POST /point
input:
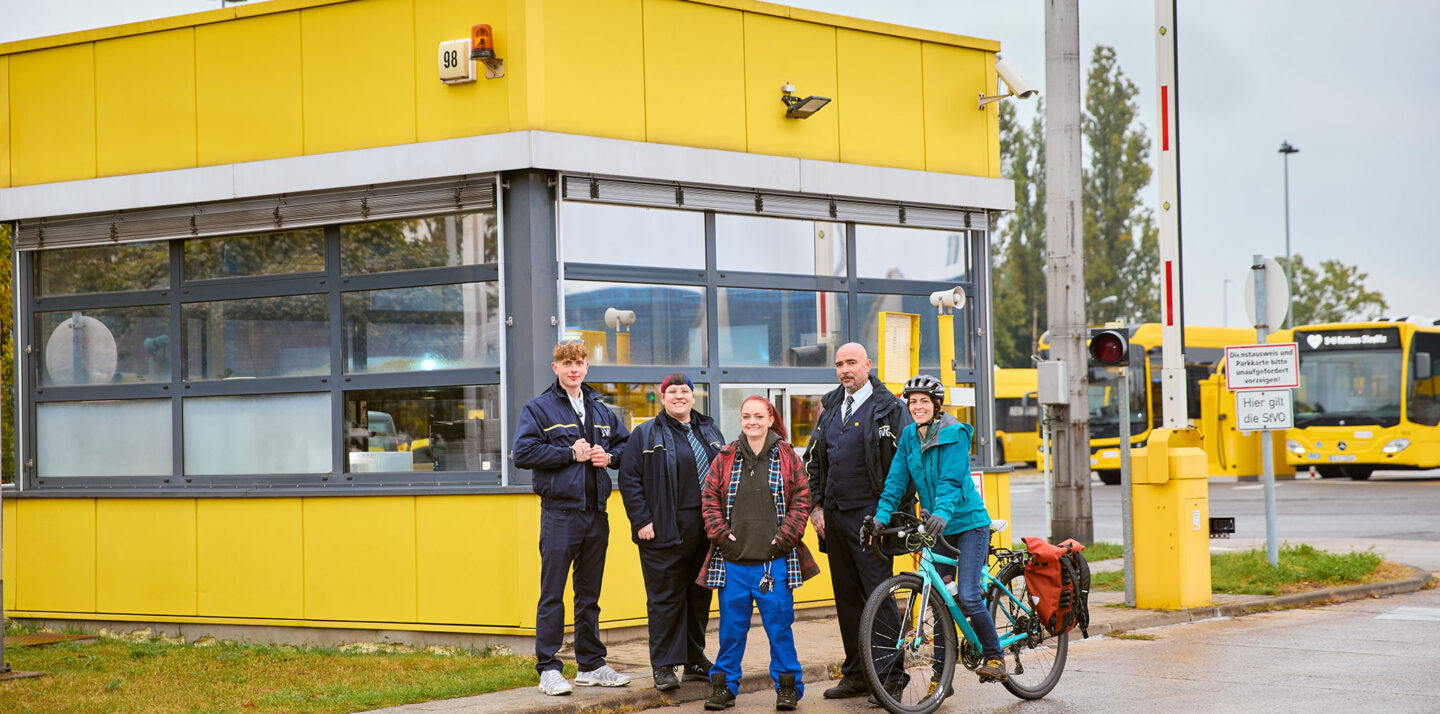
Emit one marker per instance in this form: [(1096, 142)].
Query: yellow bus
[(1369, 398), (1210, 406), (1017, 416)]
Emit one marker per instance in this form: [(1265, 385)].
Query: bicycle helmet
[(924, 384)]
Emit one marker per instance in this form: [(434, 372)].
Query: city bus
[(1210, 407), (1017, 416), (1369, 398)]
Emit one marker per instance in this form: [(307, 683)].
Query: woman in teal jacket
[(934, 454)]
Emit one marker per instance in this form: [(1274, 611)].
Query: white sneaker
[(603, 676), (552, 682)]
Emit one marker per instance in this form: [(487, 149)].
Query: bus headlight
[(1294, 446), (1395, 446)]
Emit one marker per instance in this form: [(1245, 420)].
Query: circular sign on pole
[(1277, 295)]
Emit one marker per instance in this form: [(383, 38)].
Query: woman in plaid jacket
[(754, 504)]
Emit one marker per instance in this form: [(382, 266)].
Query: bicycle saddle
[(999, 525)]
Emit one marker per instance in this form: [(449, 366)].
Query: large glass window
[(867, 332), (465, 239), (423, 429), (639, 403), (103, 269), (780, 328), (103, 438), (626, 235), (911, 254), (262, 434), (270, 254), (668, 326), (104, 346), (262, 337), (1353, 386), (774, 245), (422, 328), (1423, 406)]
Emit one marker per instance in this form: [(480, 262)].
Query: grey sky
[(1350, 84)]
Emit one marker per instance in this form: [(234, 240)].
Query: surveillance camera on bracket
[(1015, 82)]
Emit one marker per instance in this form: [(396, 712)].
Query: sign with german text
[(1262, 366), (1262, 410)]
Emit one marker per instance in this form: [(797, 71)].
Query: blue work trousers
[(777, 612)]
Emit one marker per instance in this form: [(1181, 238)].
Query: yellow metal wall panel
[(694, 75), (464, 547), (360, 558), (623, 594), (248, 101), (249, 558), (956, 133), (481, 107), (358, 69), (4, 125), (145, 556), (54, 555), (52, 115), (7, 557), (881, 108), (992, 120), (145, 103), (801, 53), (594, 69)]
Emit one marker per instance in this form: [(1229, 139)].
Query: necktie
[(702, 460), (849, 410)]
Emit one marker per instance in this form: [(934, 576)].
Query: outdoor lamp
[(797, 108)]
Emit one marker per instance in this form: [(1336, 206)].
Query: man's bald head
[(848, 348), (852, 366)]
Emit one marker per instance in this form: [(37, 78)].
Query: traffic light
[(1109, 348)]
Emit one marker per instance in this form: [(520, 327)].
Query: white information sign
[(1262, 366), (1257, 410)]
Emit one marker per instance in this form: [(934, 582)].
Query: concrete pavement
[(820, 652)]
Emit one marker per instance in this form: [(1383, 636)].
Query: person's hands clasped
[(598, 457), (580, 450)]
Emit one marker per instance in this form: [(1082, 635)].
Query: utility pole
[(1065, 273)]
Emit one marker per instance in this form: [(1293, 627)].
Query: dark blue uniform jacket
[(648, 473), (543, 435)]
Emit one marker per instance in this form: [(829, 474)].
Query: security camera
[(615, 318), (1019, 86), (953, 298)]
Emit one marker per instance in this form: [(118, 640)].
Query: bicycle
[(909, 624)]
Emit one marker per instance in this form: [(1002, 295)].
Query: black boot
[(720, 696), (665, 679), (787, 697)]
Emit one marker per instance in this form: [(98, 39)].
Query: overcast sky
[(1354, 86)]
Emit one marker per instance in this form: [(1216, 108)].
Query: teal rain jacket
[(940, 469)]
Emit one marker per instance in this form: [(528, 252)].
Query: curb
[(646, 697)]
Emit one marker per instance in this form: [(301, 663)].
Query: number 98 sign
[(455, 64)]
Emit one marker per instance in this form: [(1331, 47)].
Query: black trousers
[(855, 572), (570, 538), (678, 609)]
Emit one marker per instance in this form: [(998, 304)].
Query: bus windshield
[(1349, 387), (1105, 398)]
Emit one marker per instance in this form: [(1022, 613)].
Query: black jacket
[(543, 435), (890, 417), (647, 475)]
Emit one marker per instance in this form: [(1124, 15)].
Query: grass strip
[(1302, 568)]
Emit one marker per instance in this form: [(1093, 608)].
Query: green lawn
[(1301, 568), (120, 675)]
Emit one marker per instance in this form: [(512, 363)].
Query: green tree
[(1335, 292), (1121, 238), (1019, 251)]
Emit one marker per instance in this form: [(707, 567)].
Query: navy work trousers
[(855, 572), (569, 538), (677, 608)]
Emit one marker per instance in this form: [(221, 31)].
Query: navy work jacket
[(543, 435), (648, 472)]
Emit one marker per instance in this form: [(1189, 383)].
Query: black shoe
[(849, 686), (787, 697), (893, 688), (698, 671), (665, 680), (720, 696)]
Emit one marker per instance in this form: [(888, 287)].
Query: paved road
[(1342, 658), (1397, 512)]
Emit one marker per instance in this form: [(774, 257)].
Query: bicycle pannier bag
[(1058, 578)]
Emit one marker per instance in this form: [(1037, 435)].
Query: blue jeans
[(777, 613), (973, 546)]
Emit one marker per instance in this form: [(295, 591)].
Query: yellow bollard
[(1171, 503)]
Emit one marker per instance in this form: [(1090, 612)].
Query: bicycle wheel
[(908, 648), (1033, 665)]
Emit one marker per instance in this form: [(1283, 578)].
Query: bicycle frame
[(927, 572)]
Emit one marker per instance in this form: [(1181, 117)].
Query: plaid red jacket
[(716, 497)]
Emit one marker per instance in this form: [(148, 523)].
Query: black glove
[(867, 530), (934, 525)]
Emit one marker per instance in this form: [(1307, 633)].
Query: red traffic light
[(1109, 348)]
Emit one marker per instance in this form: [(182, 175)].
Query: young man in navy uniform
[(568, 438), (847, 461)]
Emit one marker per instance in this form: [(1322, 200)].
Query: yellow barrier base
[(1171, 505)]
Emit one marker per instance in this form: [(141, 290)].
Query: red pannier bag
[(1058, 578)]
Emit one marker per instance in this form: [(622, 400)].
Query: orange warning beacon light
[(482, 42)]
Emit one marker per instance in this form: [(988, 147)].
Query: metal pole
[(1065, 270), (1225, 302), (1286, 149), (1127, 517), (1267, 473)]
